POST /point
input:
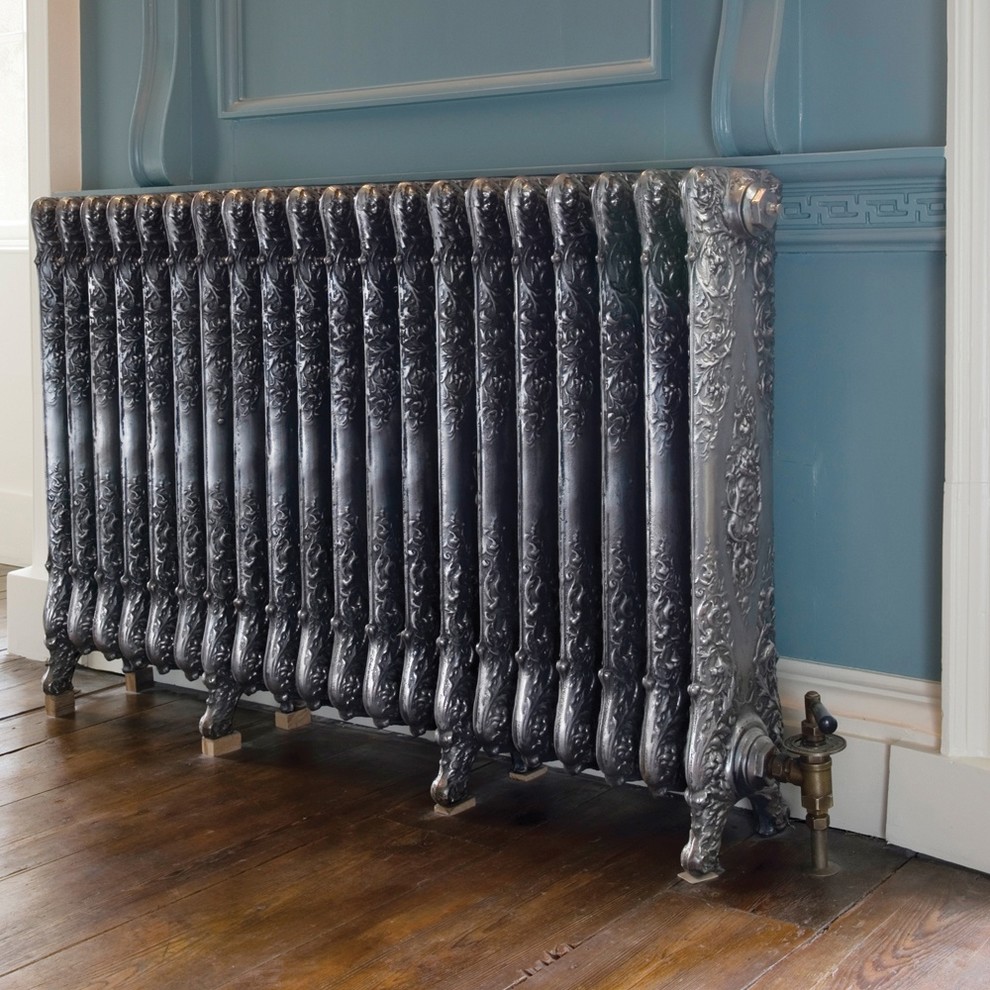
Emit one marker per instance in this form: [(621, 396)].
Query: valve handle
[(817, 712)]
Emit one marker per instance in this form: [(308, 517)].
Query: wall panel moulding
[(268, 67)]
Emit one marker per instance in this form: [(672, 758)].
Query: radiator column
[(187, 371), (457, 674), (164, 565), (247, 379), (579, 470), (106, 427), (62, 653), (221, 562), (345, 685)]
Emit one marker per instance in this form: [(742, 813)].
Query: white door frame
[(966, 519)]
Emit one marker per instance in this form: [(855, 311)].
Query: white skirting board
[(15, 527), (877, 713), (25, 607), (939, 805), (890, 782)]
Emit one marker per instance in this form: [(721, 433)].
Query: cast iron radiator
[(487, 458)]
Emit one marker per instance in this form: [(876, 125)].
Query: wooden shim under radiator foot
[(529, 775), (229, 743), (688, 877), (61, 705), (298, 719), (136, 681), (449, 810)]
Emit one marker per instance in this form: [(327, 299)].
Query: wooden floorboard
[(313, 859), (928, 926)]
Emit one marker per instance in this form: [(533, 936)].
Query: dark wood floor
[(313, 859)]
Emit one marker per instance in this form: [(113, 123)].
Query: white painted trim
[(15, 533), (26, 600), (877, 714), (966, 533), (54, 162), (938, 803), (885, 708), (939, 806)]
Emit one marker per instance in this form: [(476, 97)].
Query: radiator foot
[(710, 808), (772, 814), (290, 721), (449, 810), (221, 702), (62, 659), (138, 680), (450, 787), (61, 705), (229, 743), (525, 776)]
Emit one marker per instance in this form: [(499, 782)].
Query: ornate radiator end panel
[(730, 218)]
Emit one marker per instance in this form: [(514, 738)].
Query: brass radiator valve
[(806, 760)]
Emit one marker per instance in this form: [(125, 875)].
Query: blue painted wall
[(858, 458), (858, 453)]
